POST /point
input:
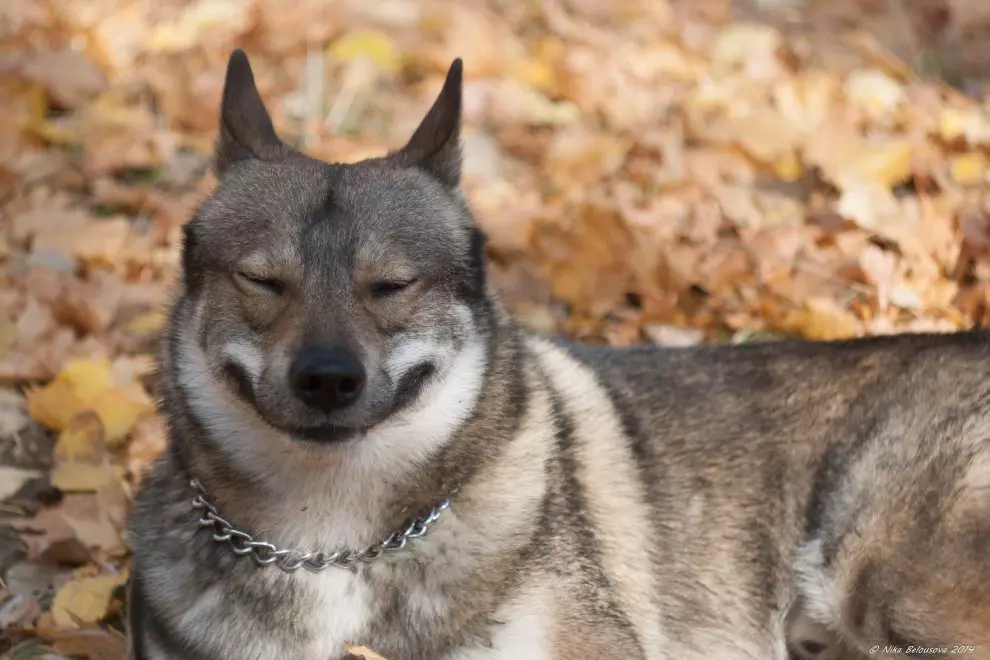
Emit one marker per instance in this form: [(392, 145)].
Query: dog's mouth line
[(409, 387), (411, 384)]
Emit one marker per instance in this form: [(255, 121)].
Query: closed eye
[(270, 285), (386, 288)]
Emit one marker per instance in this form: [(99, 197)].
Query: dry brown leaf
[(148, 443), (66, 75), (749, 46), (47, 222), (96, 519), (8, 334), (35, 321), (91, 644), (200, 20), (363, 652)]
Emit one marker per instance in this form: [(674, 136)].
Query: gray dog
[(365, 448)]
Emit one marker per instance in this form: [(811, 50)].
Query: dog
[(365, 448)]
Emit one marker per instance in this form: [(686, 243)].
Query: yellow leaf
[(969, 169), (53, 132), (366, 44), (119, 414), (87, 378), (83, 477), (823, 318), (54, 404), (84, 385), (146, 324), (85, 600), (887, 164), (531, 74), (788, 167), (363, 652), (81, 459), (37, 101)]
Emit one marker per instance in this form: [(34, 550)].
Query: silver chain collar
[(268, 554)]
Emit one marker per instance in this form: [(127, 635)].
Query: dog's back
[(856, 471)]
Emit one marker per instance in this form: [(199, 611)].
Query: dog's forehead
[(372, 209), (393, 199), (271, 192)]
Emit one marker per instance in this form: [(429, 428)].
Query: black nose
[(327, 378)]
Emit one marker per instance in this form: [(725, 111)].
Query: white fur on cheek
[(411, 353), (397, 444), (247, 357), (231, 425)]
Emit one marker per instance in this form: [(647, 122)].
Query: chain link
[(290, 561)]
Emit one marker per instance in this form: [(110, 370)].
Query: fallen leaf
[(970, 169), (366, 44), (824, 319), (971, 125), (88, 379), (98, 241), (149, 323), (514, 102), (54, 405), (867, 204), (84, 385), (8, 334), (874, 92), (66, 74), (47, 222), (81, 460), (674, 336), (91, 644), (363, 652), (149, 441), (750, 46), (18, 611), (197, 20), (84, 600)]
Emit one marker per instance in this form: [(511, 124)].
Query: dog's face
[(328, 296)]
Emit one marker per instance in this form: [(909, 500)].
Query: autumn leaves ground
[(646, 172)]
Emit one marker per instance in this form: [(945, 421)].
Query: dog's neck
[(317, 498)]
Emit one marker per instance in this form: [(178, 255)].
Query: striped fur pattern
[(803, 501)]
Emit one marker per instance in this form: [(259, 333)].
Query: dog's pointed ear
[(436, 144), (246, 130)]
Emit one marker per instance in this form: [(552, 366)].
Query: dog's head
[(329, 297)]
